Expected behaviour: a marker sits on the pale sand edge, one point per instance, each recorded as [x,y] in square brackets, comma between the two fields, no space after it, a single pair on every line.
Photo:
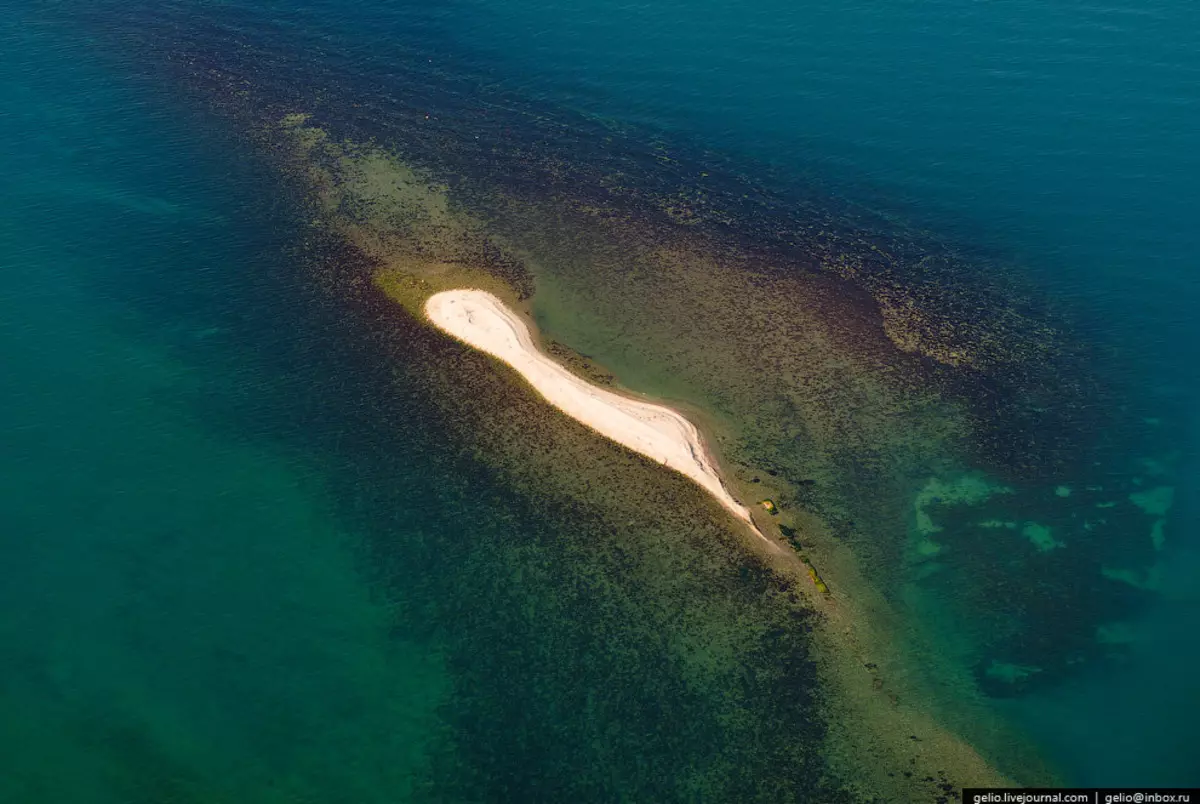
[481,320]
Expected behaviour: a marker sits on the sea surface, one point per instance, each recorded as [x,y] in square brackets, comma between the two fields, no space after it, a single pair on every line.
[194,458]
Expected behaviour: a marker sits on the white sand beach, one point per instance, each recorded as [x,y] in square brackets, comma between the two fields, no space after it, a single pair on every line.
[481,320]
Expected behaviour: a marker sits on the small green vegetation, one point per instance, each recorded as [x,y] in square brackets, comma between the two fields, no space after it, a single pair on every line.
[792,536]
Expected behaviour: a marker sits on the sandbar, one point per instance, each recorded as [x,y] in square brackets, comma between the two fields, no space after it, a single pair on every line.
[479,319]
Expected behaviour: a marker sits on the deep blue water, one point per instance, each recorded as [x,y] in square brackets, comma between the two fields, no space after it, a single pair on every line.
[1063,136]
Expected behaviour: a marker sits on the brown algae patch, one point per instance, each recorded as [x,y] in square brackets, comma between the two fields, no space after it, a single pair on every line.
[401,219]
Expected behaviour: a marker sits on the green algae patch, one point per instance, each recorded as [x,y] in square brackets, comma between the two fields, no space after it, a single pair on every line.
[1158,537]
[1149,580]
[402,219]
[1040,536]
[1156,501]
[814,576]
[970,489]
[927,548]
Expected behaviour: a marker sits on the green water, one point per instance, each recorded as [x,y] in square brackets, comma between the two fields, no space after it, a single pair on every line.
[178,602]
[183,617]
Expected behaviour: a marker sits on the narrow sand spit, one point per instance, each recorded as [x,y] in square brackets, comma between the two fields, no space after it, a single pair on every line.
[481,320]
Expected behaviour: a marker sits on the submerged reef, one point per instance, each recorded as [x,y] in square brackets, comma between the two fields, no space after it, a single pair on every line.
[950,455]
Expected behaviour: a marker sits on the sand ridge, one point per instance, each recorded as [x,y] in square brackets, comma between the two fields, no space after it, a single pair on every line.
[482,321]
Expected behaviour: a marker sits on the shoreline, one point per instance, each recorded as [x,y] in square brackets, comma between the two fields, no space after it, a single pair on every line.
[482,321]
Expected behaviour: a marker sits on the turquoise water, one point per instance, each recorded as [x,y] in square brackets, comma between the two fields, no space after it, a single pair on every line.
[178,597]
[188,589]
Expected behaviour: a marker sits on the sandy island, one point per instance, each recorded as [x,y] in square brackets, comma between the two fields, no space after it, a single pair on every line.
[481,320]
